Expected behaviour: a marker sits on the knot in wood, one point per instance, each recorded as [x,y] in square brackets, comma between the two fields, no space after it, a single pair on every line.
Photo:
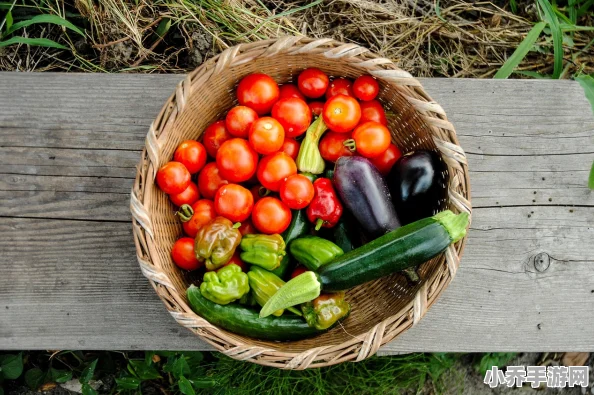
[542,262]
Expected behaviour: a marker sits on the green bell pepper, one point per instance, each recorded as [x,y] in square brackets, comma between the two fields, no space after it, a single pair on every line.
[226,285]
[264,284]
[313,251]
[326,310]
[265,251]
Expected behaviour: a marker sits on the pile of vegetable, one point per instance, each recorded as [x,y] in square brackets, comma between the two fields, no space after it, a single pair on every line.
[296,196]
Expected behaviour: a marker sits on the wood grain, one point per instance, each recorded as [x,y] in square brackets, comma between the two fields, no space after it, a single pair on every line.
[69,144]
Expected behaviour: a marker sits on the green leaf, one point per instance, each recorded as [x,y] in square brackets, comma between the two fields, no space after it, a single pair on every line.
[514,6]
[9,20]
[185,387]
[11,366]
[34,378]
[88,390]
[88,372]
[45,18]
[163,27]
[60,376]
[36,42]
[128,383]
[142,370]
[587,83]
[204,383]
[591,178]
[498,359]
[553,22]
[514,60]
[148,357]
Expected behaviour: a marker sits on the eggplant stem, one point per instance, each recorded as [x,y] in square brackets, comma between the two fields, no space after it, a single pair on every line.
[350,144]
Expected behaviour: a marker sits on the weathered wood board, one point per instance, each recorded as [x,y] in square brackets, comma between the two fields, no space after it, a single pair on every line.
[69,144]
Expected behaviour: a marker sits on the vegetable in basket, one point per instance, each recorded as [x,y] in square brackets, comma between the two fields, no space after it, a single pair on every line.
[309,159]
[264,284]
[326,310]
[313,251]
[399,249]
[226,285]
[265,251]
[298,227]
[325,209]
[216,242]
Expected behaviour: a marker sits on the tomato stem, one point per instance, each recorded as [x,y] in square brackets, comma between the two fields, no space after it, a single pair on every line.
[350,144]
[185,212]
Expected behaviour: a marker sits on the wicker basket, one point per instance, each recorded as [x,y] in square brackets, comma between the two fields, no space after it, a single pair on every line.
[381,310]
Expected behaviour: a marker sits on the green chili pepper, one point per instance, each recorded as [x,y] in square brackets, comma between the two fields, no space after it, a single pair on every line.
[264,284]
[313,251]
[226,285]
[265,251]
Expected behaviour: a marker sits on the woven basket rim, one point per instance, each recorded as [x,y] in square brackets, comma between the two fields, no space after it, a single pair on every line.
[358,348]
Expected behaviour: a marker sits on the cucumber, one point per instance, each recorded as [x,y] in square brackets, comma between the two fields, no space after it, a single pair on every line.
[243,321]
[402,248]
[298,227]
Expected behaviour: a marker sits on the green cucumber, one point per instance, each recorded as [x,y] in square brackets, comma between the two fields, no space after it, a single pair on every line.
[243,321]
[298,227]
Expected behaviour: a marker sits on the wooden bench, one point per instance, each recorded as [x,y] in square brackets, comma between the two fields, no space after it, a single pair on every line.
[69,144]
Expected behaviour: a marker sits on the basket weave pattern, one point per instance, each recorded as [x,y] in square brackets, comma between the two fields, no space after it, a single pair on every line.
[382,309]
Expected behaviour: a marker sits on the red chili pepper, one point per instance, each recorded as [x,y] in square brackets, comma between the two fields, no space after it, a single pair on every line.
[325,209]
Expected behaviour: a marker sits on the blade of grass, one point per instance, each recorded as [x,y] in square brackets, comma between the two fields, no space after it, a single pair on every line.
[591,178]
[163,27]
[532,74]
[8,20]
[574,28]
[572,11]
[514,60]
[5,20]
[584,8]
[551,18]
[438,11]
[514,6]
[36,42]
[45,18]
[587,83]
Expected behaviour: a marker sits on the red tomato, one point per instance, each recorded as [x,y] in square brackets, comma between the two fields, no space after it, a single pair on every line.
[258,91]
[385,161]
[235,259]
[191,154]
[234,202]
[214,136]
[291,147]
[204,212]
[173,178]
[236,160]
[371,139]
[183,254]
[341,113]
[258,192]
[365,88]
[296,191]
[210,180]
[313,82]
[267,135]
[293,114]
[189,196]
[273,169]
[247,228]
[332,147]
[290,90]
[373,111]
[316,107]
[270,216]
[239,120]
[340,86]
[298,270]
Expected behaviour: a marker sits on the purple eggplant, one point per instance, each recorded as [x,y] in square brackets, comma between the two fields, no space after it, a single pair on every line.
[418,185]
[366,195]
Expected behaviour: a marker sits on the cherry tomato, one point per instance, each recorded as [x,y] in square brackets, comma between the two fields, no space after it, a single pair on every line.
[204,212]
[366,88]
[247,228]
[340,86]
[173,178]
[332,147]
[234,202]
[183,254]
[290,90]
[235,259]
[296,191]
[189,196]
[258,192]
[385,161]
[316,107]
[273,169]
[373,111]
[291,147]
[371,139]
[258,91]
[270,216]
[266,135]
[341,113]
[214,136]
[191,154]
[293,114]
[210,180]
[298,270]
[313,82]
[236,160]
[239,120]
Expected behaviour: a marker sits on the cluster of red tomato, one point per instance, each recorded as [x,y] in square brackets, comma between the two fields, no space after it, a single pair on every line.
[255,149]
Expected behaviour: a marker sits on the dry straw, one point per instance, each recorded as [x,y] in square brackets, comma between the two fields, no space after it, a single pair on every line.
[382,309]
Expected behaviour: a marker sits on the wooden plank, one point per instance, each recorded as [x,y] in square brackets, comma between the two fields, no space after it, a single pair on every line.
[69,277]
